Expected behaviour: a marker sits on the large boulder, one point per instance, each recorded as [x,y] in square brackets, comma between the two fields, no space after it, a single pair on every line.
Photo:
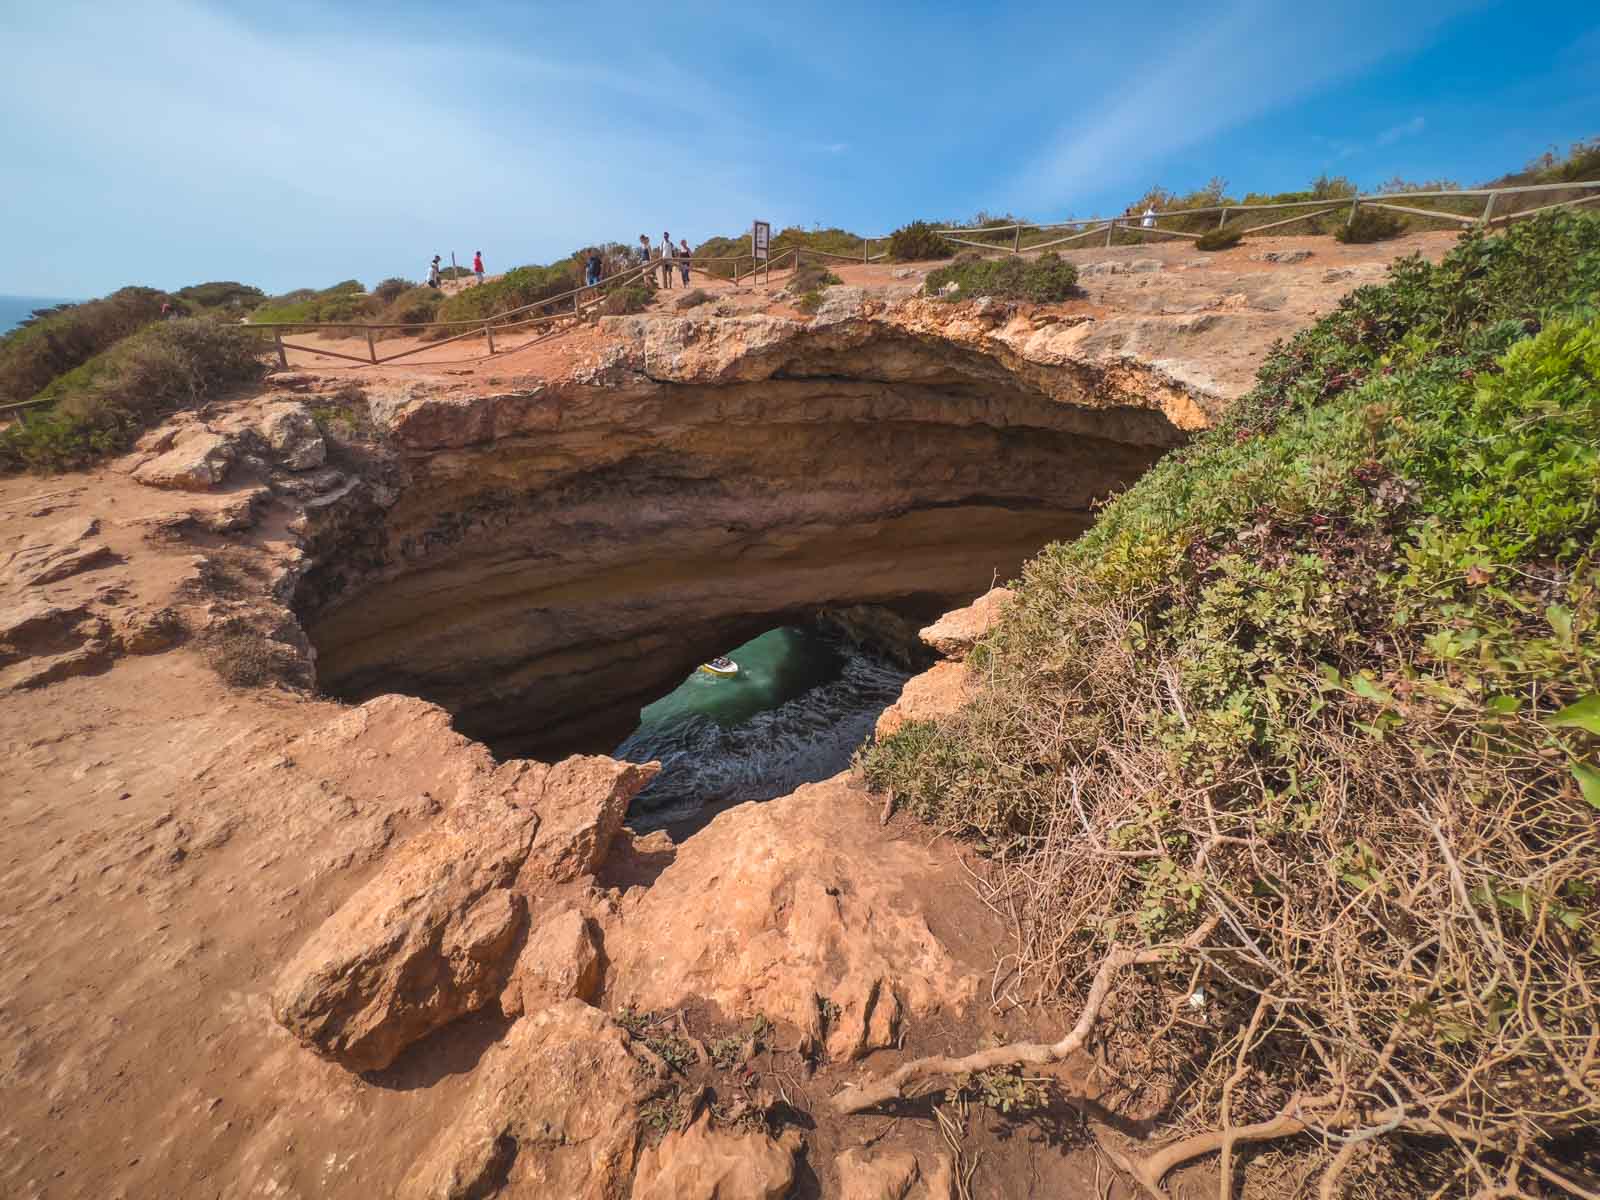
[799,909]
[428,939]
[291,433]
[434,934]
[561,961]
[956,633]
[937,692]
[702,1163]
[553,1112]
[876,1174]
[191,458]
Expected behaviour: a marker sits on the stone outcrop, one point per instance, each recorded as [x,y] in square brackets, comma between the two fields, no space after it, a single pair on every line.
[554,557]
[561,962]
[795,909]
[702,1163]
[552,1113]
[958,631]
[434,935]
[938,691]
[877,1174]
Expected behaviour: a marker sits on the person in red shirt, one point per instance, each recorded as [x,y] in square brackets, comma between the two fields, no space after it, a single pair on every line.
[477,265]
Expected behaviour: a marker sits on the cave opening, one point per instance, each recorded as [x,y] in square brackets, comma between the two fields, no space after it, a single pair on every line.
[554,576]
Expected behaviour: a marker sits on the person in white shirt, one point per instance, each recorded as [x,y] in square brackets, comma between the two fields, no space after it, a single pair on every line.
[1149,221]
[668,253]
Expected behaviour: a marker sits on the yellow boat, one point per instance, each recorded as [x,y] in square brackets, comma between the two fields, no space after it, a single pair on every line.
[722,667]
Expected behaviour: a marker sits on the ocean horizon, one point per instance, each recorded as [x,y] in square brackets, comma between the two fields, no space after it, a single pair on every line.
[15,309]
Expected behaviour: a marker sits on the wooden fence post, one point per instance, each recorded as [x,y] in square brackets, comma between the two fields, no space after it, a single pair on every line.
[488,332]
[372,348]
[1224,220]
[1016,240]
[1111,228]
[866,251]
[1488,209]
[1354,204]
[283,359]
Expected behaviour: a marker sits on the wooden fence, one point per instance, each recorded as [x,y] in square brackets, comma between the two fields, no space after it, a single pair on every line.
[1084,227]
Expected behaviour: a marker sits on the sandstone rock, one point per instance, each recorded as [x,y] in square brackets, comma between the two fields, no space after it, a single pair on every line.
[701,1163]
[88,659]
[425,941]
[876,1175]
[431,937]
[1336,274]
[552,1113]
[580,811]
[66,549]
[937,692]
[954,634]
[1285,257]
[292,434]
[560,961]
[34,620]
[197,460]
[776,907]
[841,304]
[147,632]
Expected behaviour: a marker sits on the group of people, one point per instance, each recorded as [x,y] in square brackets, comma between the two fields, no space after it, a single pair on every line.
[435,272]
[667,255]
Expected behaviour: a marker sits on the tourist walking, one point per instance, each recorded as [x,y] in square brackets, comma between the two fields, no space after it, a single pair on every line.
[433,272]
[668,253]
[477,265]
[644,249]
[592,267]
[1149,221]
[684,255]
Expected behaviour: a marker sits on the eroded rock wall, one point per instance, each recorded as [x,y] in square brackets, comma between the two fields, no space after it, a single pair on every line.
[557,556]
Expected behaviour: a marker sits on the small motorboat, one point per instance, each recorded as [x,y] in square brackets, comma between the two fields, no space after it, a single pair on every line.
[720,666]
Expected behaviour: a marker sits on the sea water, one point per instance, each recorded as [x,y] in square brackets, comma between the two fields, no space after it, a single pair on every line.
[15,309]
[801,704]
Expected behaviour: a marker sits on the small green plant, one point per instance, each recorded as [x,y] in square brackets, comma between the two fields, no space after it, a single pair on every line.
[1369,225]
[693,300]
[917,242]
[1006,1090]
[809,302]
[1224,237]
[633,297]
[1045,279]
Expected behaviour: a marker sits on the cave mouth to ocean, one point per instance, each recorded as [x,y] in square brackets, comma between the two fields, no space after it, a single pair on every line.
[555,591]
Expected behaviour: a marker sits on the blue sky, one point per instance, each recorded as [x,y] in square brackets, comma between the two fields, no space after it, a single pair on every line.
[170,141]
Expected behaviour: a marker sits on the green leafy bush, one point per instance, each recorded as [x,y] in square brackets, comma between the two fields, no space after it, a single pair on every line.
[101,406]
[346,301]
[1369,225]
[1316,703]
[1224,237]
[30,357]
[917,242]
[411,309]
[1043,280]
[392,289]
[224,298]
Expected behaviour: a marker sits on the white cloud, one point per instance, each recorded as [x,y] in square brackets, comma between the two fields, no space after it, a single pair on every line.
[1226,65]
[200,146]
[1405,129]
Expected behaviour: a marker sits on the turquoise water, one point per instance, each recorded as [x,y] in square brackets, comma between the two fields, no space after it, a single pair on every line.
[800,705]
[15,309]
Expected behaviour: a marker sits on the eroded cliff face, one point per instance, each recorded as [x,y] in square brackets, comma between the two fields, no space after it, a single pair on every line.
[542,561]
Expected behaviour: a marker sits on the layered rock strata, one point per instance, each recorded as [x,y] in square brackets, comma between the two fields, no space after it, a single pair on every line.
[540,562]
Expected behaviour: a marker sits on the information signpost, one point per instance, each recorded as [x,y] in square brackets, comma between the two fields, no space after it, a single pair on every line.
[760,238]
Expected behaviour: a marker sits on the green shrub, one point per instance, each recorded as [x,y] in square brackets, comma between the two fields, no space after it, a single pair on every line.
[632,297]
[1322,690]
[346,301]
[917,242]
[225,298]
[811,277]
[809,302]
[412,308]
[1043,280]
[692,300]
[1224,237]
[1369,225]
[101,406]
[392,289]
[30,357]
[516,289]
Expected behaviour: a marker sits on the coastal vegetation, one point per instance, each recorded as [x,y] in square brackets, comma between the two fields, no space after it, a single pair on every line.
[1043,279]
[100,406]
[1307,725]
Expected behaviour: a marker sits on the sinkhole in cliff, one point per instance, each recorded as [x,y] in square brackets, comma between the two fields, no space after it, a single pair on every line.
[551,580]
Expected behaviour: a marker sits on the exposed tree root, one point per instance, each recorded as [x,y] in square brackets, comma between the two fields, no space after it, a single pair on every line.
[893,1086]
